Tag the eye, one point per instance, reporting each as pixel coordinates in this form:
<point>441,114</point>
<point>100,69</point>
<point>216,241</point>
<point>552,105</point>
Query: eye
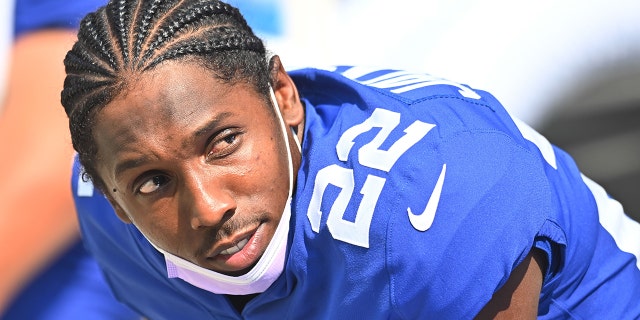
<point>229,139</point>
<point>152,184</point>
<point>223,144</point>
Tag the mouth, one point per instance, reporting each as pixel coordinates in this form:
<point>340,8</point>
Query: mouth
<point>238,244</point>
<point>236,248</point>
<point>239,252</point>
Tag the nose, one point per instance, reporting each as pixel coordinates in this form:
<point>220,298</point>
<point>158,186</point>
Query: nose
<point>206,202</point>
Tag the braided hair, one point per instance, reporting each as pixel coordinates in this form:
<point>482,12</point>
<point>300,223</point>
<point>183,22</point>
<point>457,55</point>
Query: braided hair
<point>128,37</point>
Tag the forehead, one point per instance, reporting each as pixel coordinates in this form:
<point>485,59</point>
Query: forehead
<point>173,87</point>
<point>174,92</point>
<point>166,107</point>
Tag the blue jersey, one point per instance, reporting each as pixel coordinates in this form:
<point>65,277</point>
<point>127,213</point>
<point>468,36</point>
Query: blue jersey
<point>416,198</point>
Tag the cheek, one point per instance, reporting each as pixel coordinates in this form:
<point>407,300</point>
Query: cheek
<point>265,173</point>
<point>272,164</point>
<point>161,227</point>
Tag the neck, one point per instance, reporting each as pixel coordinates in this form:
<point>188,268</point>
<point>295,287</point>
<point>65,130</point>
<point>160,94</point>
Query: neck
<point>239,302</point>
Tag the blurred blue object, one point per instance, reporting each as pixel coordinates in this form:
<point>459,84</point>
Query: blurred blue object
<point>72,287</point>
<point>39,14</point>
<point>264,16</point>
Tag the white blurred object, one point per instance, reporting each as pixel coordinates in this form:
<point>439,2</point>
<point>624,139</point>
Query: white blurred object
<point>6,38</point>
<point>528,54</point>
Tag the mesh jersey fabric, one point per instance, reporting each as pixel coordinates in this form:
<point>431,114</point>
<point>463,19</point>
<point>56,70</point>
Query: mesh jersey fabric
<point>379,147</point>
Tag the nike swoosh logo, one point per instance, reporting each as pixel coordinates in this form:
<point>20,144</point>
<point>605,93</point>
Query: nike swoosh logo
<point>423,221</point>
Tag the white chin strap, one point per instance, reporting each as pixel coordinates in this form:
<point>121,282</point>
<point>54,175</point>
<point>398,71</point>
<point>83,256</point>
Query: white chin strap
<point>269,266</point>
<point>283,128</point>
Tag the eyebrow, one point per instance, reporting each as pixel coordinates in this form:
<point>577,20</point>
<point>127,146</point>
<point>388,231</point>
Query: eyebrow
<point>204,129</point>
<point>129,164</point>
<point>212,124</point>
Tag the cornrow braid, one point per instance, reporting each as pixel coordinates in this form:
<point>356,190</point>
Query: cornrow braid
<point>129,37</point>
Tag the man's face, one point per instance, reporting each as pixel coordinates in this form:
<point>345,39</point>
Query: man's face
<point>200,167</point>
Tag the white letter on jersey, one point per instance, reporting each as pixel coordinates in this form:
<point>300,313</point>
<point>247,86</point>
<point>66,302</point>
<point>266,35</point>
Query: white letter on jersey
<point>406,81</point>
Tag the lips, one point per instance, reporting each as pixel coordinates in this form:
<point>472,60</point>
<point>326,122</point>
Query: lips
<point>235,248</point>
<point>235,255</point>
<point>233,245</point>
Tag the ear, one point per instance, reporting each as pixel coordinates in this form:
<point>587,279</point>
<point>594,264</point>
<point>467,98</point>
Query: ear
<point>122,215</point>
<point>286,94</point>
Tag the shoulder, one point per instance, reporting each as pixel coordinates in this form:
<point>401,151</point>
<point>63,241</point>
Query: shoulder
<point>436,174</point>
<point>126,257</point>
<point>351,94</point>
<point>104,234</point>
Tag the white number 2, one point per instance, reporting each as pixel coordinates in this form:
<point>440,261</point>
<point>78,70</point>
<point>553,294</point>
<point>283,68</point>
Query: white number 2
<point>369,155</point>
<point>357,232</point>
